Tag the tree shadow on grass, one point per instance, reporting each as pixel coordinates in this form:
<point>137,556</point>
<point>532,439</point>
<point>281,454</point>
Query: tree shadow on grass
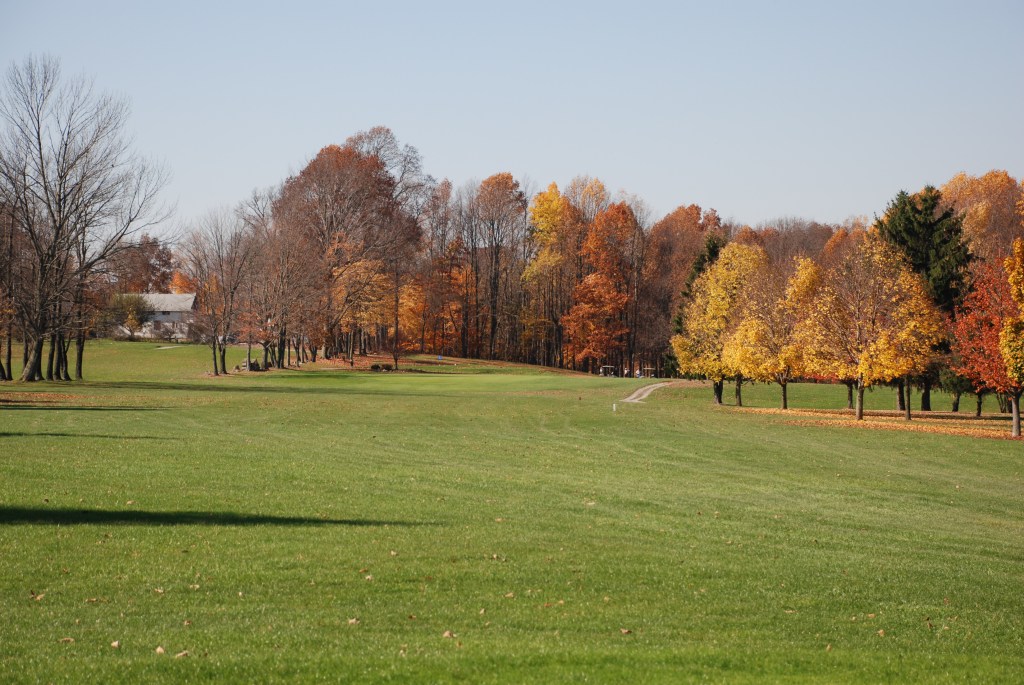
<point>135,517</point>
<point>71,407</point>
<point>214,386</point>
<point>51,434</point>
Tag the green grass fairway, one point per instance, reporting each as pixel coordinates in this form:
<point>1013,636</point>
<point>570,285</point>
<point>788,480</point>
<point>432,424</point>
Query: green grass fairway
<point>483,526</point>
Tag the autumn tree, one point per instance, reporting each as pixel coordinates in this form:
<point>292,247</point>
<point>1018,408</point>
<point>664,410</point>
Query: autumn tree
<point>872,319</point>
<point>595,326</point>
<point>550,274</point>
<point>977,328</point>
<point>710,316</point>
<point>765,345</point>
<point>992,206</point>
<point>502,210</point>
<point>143,266</point>
<point>131,312</point>
<point>1011,337</point>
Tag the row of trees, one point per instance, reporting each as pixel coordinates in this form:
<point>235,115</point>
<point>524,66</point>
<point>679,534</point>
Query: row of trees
<point>72,194</point>
<point>905,301</point>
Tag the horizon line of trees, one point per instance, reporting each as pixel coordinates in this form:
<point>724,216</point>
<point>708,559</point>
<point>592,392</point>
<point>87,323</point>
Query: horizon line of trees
<point>363,251</point>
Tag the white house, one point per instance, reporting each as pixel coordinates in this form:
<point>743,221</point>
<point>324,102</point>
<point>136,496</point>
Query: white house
<point>172,315</point>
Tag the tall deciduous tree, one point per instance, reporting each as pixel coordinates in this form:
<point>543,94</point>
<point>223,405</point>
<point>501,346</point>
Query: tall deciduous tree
<point>596,324</point>
<point>977,328</point>
<point>711,315</point>
<point>765,346</point>
<point>991,208</point>
<point>872,319</point>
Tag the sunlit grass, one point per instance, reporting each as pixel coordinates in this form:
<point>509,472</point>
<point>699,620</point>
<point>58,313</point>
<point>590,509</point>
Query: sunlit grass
<point>335,526</point>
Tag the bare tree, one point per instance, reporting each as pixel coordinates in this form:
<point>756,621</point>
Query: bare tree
<point>75,188</point>
<point>217,258</point>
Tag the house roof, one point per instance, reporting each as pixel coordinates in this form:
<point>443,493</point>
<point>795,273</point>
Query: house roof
<point>169,302</point>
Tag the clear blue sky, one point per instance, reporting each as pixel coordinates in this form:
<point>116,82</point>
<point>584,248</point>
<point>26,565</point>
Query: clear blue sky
<point>815,109</point>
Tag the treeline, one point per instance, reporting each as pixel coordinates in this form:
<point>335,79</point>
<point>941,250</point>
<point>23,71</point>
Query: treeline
<point>363,251</point>
<point>927,296</point>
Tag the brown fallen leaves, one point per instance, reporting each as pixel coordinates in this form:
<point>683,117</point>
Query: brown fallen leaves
<point>942,423</point>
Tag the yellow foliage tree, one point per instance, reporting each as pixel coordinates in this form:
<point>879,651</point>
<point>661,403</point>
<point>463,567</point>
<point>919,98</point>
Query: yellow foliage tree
<point>871,320</point>
<point>765,346</point>
<point>711,315</point>
<point>1011,337</point>
<point>992,206</point>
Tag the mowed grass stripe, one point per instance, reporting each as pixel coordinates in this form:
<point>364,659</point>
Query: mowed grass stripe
<point>731,546</point>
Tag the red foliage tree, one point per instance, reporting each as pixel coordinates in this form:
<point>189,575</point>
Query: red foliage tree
<point>976,331</point>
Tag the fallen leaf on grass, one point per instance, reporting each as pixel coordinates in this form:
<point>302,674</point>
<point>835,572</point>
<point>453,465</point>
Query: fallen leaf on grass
<point>353,621</point>
<point>159,650</point>
<point>39,596</point>
<point>510,595</point>
<point>625,631</point>
<point>448,634</point>
<point>181,654</point>
<point>881,633</point>
<point>115,644</point>
<point>67,640</point>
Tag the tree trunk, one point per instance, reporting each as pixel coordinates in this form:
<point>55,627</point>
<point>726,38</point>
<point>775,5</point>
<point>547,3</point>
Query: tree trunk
<point>956,402</point>
<point>223,353</point>
<point>859,411</point>
<point>213,348</point>
<point>79,353</point>
<point>50,356</point>
<point>1015,410</point>
<point>926,395</point>
<point>718,387</point>
<point>981,399</point>
<point>394,342</point>
<point>906,407</point>
<point>65,345</point>
<point>849,394</point>
<point>739,390</point>
<point>33,361</point>
<point>10,344</point>
<point>901,401</point>
<point>785,399</point>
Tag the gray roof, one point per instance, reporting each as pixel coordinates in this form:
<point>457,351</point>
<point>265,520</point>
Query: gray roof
<point>168,302</point>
